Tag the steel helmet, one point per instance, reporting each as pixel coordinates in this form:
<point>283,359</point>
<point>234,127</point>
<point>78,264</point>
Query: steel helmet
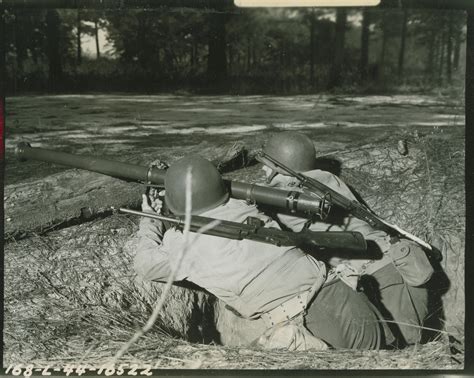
<point>208,188</point>
<point>292,149</point>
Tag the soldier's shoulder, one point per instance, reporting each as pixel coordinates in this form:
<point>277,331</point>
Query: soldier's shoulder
<point>320,174</point>
<point>233,210</point>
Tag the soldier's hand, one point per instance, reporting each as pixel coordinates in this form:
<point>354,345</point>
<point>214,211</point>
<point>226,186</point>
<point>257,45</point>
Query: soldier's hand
<point>151,206</point>
<point>146,208</point>
<point>335,261</point>
<point>157,202</point>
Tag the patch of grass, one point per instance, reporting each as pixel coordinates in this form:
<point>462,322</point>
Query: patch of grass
<point>79,283</point>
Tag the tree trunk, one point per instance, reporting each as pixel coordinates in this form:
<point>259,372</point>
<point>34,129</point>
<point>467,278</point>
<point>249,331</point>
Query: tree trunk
<point>20,47</point>
<point>431,54</point>
<point>96,30</point>
<point>168,62</point>
<point>238,60</point>
<point>449,52</point>
<point>217,62</point>
<point>230,58</point>
<point>384,47</point>
<point>457,49</point>
<point>254,55</point>
<point>249,49</point>
<point>282,57</point>
<point>312,25</point>
<point>3,76</point>
<point>35,42</point>
<point>158,60</point>
<point>53,23</point>
<point>143,50</point>
<point>436,54</point>
<point>364,45</point>
<point>15,33</point>
<point>403,37</point>
<point>193,55</point>
<point>335,76</point>
<point>442,41</point>
<point>78,37</point>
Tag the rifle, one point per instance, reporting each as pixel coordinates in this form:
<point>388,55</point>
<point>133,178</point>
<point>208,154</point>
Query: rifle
<point>253,229</point>
<point>352,206</point>
<point>287,200</point>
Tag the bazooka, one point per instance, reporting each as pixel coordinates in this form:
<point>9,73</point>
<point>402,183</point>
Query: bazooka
<point>308,205</point>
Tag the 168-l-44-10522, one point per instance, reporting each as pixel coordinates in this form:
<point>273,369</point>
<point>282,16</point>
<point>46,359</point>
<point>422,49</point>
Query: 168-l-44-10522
<point>78,370</point>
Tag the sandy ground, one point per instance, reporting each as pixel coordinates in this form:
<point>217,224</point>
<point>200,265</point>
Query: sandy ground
<point>125,125</point>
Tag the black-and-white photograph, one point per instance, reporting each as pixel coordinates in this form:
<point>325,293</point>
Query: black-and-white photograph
<point>205,186</point>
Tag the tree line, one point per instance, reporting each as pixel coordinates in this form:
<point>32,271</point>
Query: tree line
<point>267,50</point>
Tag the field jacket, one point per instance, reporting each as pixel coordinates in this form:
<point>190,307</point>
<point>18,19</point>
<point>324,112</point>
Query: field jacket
<point>345,222</point>
<point>251,277</point>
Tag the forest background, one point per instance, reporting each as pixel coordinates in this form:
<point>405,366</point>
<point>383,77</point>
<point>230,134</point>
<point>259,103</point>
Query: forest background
<point>243,51</point>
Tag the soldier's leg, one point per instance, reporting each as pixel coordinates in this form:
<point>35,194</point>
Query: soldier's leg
<point>405,305</point>
<point>344,318</point>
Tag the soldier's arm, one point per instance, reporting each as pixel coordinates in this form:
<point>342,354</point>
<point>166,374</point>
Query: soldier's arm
<point>333,182</point>
<point>151,261</point>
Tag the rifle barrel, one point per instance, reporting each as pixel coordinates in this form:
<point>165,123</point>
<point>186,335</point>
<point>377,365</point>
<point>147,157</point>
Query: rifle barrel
<point>340,240</point>
<point>354,207</point>
<point>223,229</point>
<point>177,221</point>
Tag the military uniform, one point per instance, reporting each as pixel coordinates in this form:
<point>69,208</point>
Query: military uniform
<point>283,286</point>
<point>391,289</point>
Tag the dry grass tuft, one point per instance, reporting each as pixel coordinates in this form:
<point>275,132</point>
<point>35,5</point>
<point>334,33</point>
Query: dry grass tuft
<point>77,283</point>
<point>167,353</point>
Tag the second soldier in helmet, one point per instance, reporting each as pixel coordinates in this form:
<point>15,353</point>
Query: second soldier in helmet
<point>398,275</point>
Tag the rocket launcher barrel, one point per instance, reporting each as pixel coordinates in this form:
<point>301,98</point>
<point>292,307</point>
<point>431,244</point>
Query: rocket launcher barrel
<point>290,201</point>
<point>124,171</point>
